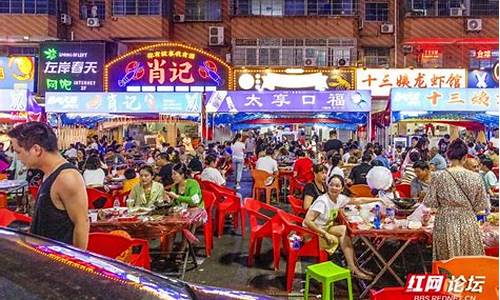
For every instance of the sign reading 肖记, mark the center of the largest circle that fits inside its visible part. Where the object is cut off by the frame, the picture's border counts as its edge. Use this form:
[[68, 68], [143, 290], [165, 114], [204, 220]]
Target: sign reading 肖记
[[71, 66], [380, 81], [166, 67]]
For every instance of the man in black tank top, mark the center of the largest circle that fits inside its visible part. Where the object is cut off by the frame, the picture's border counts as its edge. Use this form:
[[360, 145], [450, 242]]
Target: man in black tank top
[[61, 211]]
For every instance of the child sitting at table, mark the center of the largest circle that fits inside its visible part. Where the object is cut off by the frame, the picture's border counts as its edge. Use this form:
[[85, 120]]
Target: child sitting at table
[[130, 181]]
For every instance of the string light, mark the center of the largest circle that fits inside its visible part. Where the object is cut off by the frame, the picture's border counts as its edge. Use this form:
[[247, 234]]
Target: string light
[[168, 44]]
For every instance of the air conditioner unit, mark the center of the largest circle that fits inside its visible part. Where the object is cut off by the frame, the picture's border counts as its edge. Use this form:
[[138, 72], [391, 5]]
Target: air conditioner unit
[[66, 19], [310, 61], [456, 12], [474, 24], [93, 22], [419, 12], [179, 18], [387, 28], [215, 36]]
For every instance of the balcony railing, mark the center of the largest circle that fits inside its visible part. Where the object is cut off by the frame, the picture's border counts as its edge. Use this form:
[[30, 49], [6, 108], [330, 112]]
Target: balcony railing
[[294, 8]]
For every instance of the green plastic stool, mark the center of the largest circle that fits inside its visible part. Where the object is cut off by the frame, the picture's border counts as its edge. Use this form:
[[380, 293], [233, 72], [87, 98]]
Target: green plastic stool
[[327, 273]]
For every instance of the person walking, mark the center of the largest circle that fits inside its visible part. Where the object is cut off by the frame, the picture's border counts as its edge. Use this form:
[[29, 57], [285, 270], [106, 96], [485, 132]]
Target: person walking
[[238, 155], [61, 211]]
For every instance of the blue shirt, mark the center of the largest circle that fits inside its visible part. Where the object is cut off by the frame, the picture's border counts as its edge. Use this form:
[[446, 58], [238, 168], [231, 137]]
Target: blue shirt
[[384, 161], [439, 161]]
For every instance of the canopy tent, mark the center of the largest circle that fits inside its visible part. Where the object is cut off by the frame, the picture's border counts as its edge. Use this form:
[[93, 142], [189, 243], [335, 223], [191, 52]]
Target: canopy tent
[[248, 109]]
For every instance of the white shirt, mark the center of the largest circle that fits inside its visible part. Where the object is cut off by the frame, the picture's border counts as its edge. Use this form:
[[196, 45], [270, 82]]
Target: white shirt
[[94, 177], [346, 157], [335, 171], [213, 175], [268, 164], [327, 209], [238, 150], [494, 141], [70, 153]]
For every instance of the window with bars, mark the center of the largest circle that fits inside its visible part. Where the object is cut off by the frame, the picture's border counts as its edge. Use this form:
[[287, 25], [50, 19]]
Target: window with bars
[[203, 10], [377, 57], [293, 7], [445, 7], [377, 11], [28, 7], [294, 52], [94, 9], [137, 7]]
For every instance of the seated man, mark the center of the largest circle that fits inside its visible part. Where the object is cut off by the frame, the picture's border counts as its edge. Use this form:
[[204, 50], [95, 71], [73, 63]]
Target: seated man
[[211, 173], [420, 184], [267, 163]]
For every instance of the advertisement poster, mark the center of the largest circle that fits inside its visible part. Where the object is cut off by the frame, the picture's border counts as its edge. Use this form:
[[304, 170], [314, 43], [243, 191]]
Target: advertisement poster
[[484, 78], [320, 79], [71, 66], [167, 67], [17, 72]]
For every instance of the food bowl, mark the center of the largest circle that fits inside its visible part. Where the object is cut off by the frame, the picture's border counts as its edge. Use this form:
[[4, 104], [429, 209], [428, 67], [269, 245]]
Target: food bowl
[[405, 203]]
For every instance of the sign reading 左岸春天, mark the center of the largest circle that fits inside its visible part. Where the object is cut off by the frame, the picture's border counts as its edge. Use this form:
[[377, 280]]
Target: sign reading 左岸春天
[[71, 66], [381, 81], [262, 79], [167, 67]]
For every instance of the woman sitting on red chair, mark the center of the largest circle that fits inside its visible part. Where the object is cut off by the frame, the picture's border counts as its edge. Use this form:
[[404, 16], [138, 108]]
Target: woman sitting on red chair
[[303, 168]]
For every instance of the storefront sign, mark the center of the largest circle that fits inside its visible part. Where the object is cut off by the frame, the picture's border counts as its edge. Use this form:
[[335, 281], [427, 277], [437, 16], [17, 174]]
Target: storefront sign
[[17, 72], [13, 100], [71, 66], [485, 78], [288, 101], [123, 102], [445, 99], [294, 79], [380, 81], [166, 67]]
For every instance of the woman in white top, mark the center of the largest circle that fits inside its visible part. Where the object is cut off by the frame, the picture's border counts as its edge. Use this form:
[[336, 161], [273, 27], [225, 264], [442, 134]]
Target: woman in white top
[[238, 149], [322, 215], [211, 173], [93, 174]]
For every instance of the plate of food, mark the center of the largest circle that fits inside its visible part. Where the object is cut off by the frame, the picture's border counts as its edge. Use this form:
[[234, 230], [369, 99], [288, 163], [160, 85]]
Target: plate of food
[[140, 211], [414, 225], [364, 226], [355, 219]]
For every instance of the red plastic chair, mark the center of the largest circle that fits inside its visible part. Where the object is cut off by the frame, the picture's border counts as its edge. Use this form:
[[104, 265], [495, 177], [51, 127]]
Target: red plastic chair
[[296, 186], [297, 206], [121, 197], [112, 246], [491, 251], [404, 190], [208, 228], [94, 195], [229, 203], [263, 226], [309, 248], [7, 217]]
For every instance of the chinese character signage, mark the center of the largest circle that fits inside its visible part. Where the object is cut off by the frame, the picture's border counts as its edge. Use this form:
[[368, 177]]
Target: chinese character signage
[[123, 102], [294, 79], [380, 81], [17, 72], [485, 78], [167, 67], [13, 100], [288, 101], [71, 66], [446, 99]]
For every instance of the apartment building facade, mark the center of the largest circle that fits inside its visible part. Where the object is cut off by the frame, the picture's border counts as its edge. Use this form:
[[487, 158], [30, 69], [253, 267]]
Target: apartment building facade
[[268, 33]]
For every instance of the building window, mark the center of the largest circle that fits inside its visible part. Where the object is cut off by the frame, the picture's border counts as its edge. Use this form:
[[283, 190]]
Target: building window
[[484, 8], [137, 7], [377, 57], [294, 52], [203, 10], [293, 7], [453, 7], [28, 7], [94, 9], [376, 11]]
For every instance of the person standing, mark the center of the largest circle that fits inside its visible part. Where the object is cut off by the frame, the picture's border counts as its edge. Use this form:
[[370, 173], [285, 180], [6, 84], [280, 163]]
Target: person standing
[[238, 155], [333, 145], [61, 211], [456, 195], [443, 144]]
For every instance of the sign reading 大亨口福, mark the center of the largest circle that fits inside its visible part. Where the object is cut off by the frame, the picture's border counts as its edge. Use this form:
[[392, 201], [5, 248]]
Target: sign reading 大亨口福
[[17, 72], [13, 100], [123, 102], [484, 78], [321, 79], [445, 99], [288, 101], [381, 81], [71, 66], [167, 67]]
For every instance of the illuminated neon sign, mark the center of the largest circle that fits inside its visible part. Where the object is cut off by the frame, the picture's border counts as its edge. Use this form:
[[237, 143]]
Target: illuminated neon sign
[[17, 72], [71, 66], [167, 67]]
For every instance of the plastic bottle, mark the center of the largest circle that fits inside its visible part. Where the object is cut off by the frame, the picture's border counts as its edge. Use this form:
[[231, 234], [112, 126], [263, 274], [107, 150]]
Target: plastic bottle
[[376, 221]]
